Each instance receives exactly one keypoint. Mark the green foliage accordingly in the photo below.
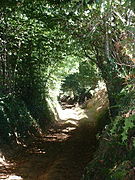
(98, 28)
(121, 171)
(128, 126)
(37, 38)
(125, 122)
(86, 78)
(113, 160)
(16, 123)
(115, 156)
(31, 46)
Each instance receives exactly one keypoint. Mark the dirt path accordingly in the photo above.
(61, 154)
(64, 151)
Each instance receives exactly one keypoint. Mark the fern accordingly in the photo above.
(128, 125)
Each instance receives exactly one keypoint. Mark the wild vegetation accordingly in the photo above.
(51, 49)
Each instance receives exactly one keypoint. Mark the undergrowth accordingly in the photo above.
(16, 122)
(115, 158)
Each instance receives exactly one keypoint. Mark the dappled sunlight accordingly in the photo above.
(90, 110)
(75, 113)
(67, 137)
(67, 90)
(13, 177)
(5, 170)
(98, 104)
(57, 136)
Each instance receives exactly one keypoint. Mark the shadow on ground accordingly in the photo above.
(61, 154)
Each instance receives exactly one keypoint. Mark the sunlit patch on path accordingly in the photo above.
(13, 177)
(63, 151)
(6, 169)
(61, 154)
(75, 113)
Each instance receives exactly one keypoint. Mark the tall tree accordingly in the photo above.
(100, 30)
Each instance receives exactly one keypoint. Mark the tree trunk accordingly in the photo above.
(114, 83)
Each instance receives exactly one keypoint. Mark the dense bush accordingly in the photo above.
(115, 159)
(16, 123)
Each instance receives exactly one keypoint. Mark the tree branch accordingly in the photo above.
(89, 57)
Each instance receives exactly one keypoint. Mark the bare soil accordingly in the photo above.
(60, 154)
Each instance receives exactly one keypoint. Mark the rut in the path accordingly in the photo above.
(61, 155)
